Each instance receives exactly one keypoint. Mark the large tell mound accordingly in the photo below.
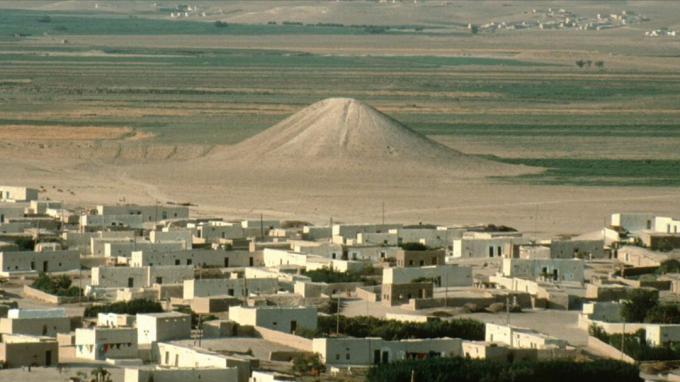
(345, 134)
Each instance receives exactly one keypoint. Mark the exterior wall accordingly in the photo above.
(666, 225)
(285, 319)
(445, 275)
(520, 338)
(348, 351)
(420, 258)
(350, 231)
(659, 334)
(383, 238)
(481, 247)
(115, 320)
(122, 277)
(228, 287)
(102, 343)
(181, 375)
(35, 351)
(196, 257)
(17, 194)
(9, 211)
(485, 350)
(48, 326)
(567, 249)
(316, 233)
(603, 311)
(125, 248)
(27, 261)
(215, 232)
(394, 294)
(103, 221)
(152, 213)
(633, 222)
(439, 237)
(556, 269)
(156, 327)
(181, 235)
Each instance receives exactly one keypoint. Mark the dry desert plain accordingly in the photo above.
(105, 102)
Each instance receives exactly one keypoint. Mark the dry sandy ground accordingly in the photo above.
(316, 197)
(340, 159)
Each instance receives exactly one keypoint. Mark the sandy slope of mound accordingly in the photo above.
(345, 134)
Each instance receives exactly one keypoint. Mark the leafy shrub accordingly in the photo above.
(57, 285)
(638, 303)
(308, 364)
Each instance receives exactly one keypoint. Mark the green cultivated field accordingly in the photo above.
(519, 108)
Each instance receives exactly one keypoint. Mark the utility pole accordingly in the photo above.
(623, 336)
(337, 319)
(261, 227)
(507, 310)
(383, 212)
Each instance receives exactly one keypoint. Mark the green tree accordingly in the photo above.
(663, 314)
(638, 303)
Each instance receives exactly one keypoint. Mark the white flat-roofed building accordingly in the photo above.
(156, 327)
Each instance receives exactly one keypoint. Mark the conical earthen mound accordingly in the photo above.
(346, 134)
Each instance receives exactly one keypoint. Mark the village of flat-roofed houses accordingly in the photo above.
(155, 293)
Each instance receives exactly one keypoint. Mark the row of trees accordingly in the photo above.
(472, 370)
(589, 63)
(643, 305)
(366, 326)
(125, 307)
(636, 345)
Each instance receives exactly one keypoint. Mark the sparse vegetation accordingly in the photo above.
(366, 326)
(56, 285)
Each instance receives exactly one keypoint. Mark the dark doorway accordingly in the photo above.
(386, 357)
(293, 326)
(45, 266)
(48, 358)
(376, 357)
(131, 282)
(226, 262)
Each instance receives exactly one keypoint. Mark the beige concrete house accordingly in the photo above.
(285, 319)
(22, 350)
